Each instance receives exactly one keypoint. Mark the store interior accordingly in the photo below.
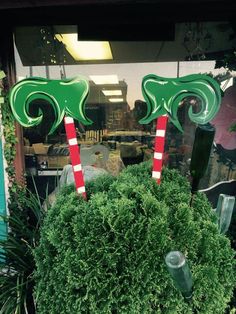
(115, 103)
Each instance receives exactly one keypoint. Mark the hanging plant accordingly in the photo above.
(10, 140)
(228, 62)
(15, 190)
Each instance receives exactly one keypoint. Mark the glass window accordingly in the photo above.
(115, 104)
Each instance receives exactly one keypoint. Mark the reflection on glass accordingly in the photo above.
(115, 105)
(204, 137)
(180, 272)
(224, 211)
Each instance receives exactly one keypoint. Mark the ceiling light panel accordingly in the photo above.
(115, 92)
(85, 50)
(104, 79)
(116, 99)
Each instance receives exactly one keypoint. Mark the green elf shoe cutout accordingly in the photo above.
(67, 97)
(163, 97)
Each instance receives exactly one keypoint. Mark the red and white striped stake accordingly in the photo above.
(75, 155)
(159, 147)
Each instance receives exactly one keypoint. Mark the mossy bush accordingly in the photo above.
(232, 236)
(107, 255)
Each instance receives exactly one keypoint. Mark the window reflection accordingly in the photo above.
(116, 108)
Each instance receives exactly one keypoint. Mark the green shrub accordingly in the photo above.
(232, 236)
(18, 263)
(107, 255)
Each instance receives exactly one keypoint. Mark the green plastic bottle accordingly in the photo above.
(224, 210)
(178, 268)
(203, 141)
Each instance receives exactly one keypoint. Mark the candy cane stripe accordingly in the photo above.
(69, 120)
(156, 174)
(75, 155)
(81, 190)
(73, 141)
(158, 155)
(70, 130)
(78, 175)
(159, 147)
(77, 168)
(75, 159)
(160, 133)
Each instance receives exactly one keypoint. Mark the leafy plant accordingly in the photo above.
(233, 128)
(228, 61)
(16, 273)
(232, 236)
(107, 255)
(10, 141)
(17, 262)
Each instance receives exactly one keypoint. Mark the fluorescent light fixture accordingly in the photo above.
(104, 79)
(112, 92)
(116, 99)
(20, 78)
(85, 50)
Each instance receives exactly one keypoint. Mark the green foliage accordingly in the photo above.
(16, 270)
(101, 184)
(16, 273)
(232, 235)
(107, 255)
(232, 231)
(233, 128)
(10, 139)
(228, 61)
(10, 153)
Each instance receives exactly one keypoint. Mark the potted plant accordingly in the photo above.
(107, 255)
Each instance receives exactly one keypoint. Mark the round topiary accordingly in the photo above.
(107, 255)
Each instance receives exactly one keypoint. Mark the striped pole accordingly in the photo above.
(159, 147)
(75, 155)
